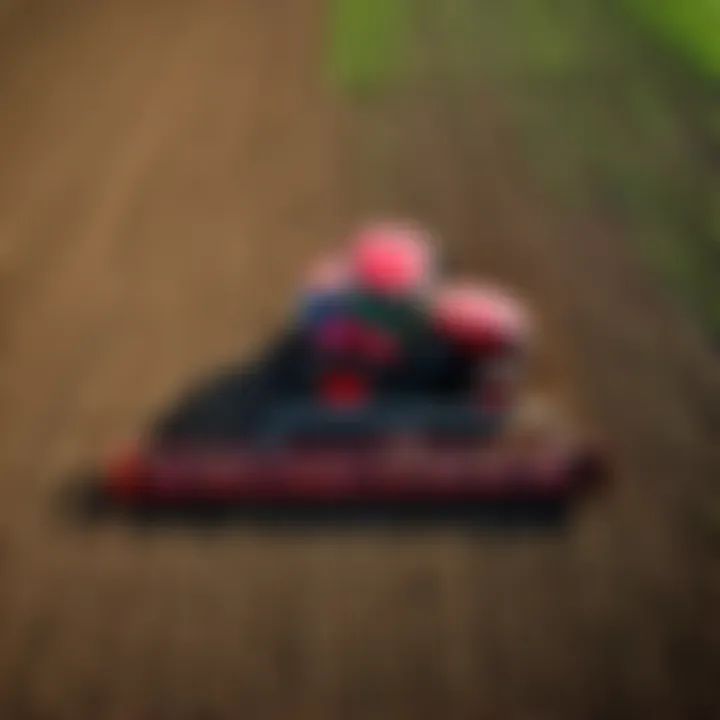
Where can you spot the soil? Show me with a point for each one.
(167, 169)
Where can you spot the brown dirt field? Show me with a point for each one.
(157, 157)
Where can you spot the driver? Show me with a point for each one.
(375, 297)
(369, 306)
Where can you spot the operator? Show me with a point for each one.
(368, 308)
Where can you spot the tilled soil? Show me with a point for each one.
(167, 167)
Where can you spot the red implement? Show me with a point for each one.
(377, 473)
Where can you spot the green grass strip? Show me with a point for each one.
(691, 26)
(366, 41)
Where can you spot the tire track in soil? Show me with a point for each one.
(204, 117)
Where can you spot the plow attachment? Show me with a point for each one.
(364, 474)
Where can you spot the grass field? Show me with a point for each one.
(366, 41)
(612, 118)
(617, 121)
(691, 27)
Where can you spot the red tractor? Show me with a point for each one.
(386, 389)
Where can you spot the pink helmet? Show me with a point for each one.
(392, 258)
(480, 316)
